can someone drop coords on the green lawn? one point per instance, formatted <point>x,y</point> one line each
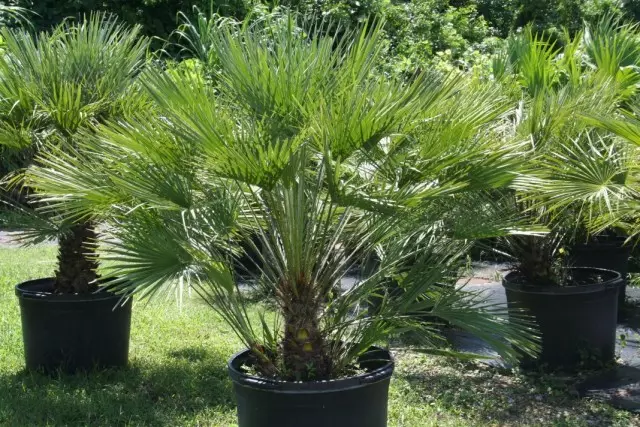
<point>178,377</point>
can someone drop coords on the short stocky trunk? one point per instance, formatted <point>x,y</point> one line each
<point>304,349</point>
<point>77,261</point>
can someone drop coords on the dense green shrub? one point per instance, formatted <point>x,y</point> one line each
<point>500,14</point>
<point>421,30</point>
<point>343,11</point>
<point>157,17</point>
<point>505,16</point>
<point>418,29</point>
<point>551,15</point>
<point>632,9</point>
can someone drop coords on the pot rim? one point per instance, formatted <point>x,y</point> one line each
<point>615,282</point>
<point>309,387</point>
<point>35,290</point>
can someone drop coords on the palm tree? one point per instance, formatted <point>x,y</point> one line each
<point>575,172</point>
<point>611,189</point>
<point>52,86</point>
<point>304,146</point>
<point>576,182</point>
<point>598,177</point>
<point>612,50</point>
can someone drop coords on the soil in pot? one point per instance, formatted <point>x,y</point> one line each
<point>577,322</point>
<point>72,333</point>
<point>607,252</point>
<point>358,401</point>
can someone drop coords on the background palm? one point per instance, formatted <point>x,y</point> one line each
<point>303,148</point>
<point>52,86</point>
<point>579,178</point>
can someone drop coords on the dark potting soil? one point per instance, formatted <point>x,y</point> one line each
<point>249,367</point>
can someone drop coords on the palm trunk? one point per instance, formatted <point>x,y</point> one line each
<point>304,348</point>
<point>77,262</point>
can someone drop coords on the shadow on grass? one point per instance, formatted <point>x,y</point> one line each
<point>162,392</point>
<point>190,354</point>
<point>619,387</point>
<point>498,396</point>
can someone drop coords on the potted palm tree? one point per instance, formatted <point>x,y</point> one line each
<point>577,176</point>
<point>52,86</point>
<point>575,308</point>
<point>304,147</point>
<point>612,51</point>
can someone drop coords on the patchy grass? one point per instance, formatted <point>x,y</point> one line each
<point>178,376</point>
<point>445,392</point>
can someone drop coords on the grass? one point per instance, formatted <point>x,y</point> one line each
<point>177,377</point>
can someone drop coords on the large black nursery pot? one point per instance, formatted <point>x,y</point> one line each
<point>608,252</point>
<point>577,323</point>
<point>72,333</point>
<point>359,401</point>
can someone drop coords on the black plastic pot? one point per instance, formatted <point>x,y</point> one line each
<point>72,332</point>
<point>577,323</point>
<point>608,252</point>
<point>359,401</point>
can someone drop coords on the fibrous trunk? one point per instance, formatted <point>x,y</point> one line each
<point>304,348</point>
<point>77,262</point>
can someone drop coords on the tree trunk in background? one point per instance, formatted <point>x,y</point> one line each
<point>77,263</point>
<point>304,349</point>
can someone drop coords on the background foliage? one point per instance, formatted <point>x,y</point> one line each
<point>157,17</point>
<point>444,34</point>
<point>454,33</point>
<point>440,24</point>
